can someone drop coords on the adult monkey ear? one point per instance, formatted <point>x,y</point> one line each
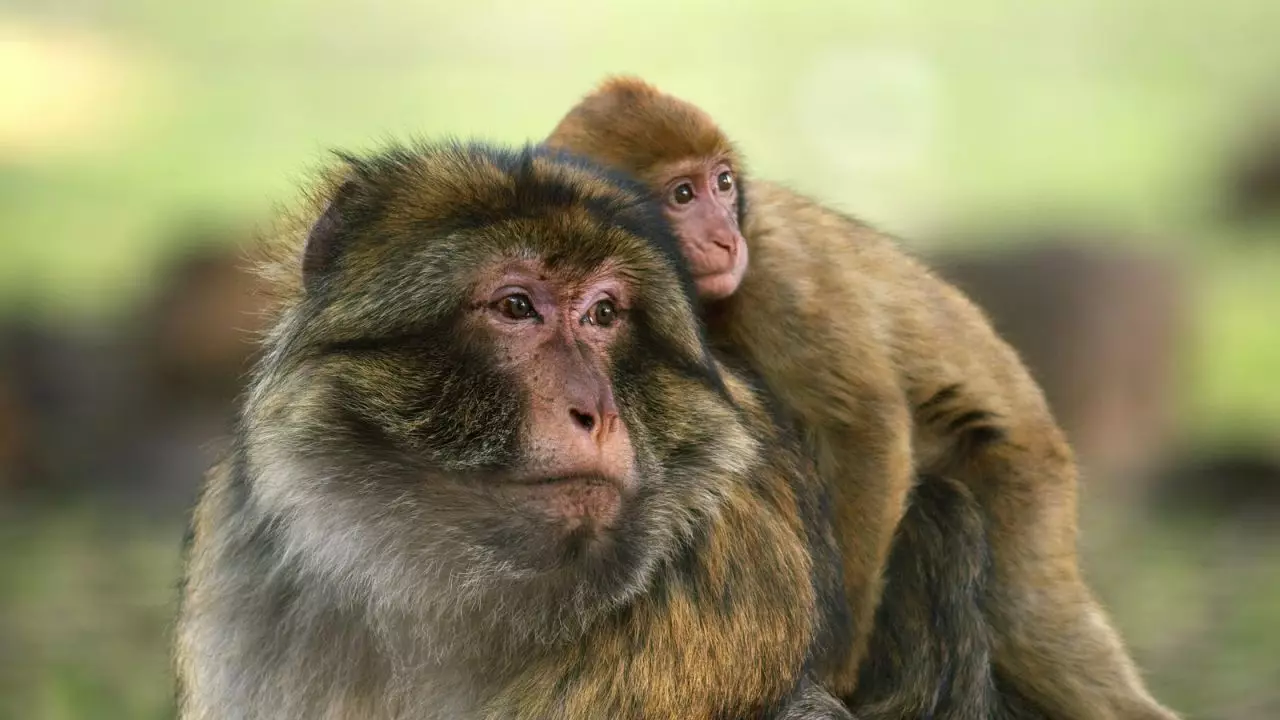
<point>332,230</point>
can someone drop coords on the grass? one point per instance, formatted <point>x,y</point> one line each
<point>88,600</point>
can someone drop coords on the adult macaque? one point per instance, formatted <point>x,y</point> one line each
<point>893,374</point>
<point>488,467</point>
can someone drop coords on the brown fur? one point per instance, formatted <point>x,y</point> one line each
<point>894,373</point>
<point>333,572</point>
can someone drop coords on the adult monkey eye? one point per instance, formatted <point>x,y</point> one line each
<point>683,194</point>
<point>725,181</point>
<point>603,314</point>
<point>517,307</point>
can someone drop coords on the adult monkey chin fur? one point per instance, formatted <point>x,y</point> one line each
<point>895,375</point>
<point>487,467</point>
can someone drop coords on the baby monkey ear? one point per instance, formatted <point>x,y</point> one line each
<point>332,231</point>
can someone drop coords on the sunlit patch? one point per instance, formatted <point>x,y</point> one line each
<point>63,91</point>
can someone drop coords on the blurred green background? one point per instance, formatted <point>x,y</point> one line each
<point>1104,177</point>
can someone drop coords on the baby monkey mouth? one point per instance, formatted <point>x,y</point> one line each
<point>717,262</point>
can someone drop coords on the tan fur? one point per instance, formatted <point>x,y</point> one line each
<point>896,374</point>
<point>626,124</point>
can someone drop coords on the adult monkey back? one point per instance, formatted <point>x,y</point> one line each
<point>895,374</point>
<point>487,467</point>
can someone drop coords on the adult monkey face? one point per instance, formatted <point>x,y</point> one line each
<point>492,360</point>
<point>556,334</point>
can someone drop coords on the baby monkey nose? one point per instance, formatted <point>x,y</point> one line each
<point>725,240</point>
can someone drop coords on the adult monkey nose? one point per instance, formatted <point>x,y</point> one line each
<point>593,410</point>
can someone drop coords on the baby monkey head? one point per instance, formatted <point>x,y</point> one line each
<point>679,152</point>
<point>487,371</point>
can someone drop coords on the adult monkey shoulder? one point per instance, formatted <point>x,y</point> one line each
<point>488,467</point>
<point>894,373</point>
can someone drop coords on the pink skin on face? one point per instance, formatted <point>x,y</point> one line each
<point>702,202</point>
<point>555,334</point>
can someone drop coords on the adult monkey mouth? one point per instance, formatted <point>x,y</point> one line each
<point>571,499</point>
<point>585,479</point>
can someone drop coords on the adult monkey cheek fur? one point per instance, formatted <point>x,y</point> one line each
<point>488,467</point>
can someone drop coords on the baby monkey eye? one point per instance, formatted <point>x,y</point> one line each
<point>725,181</point>
<point>683,194</point>
<point>602,314</point>
<point>517,307</point>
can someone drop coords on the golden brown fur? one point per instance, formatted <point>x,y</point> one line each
<point>894,374</point>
